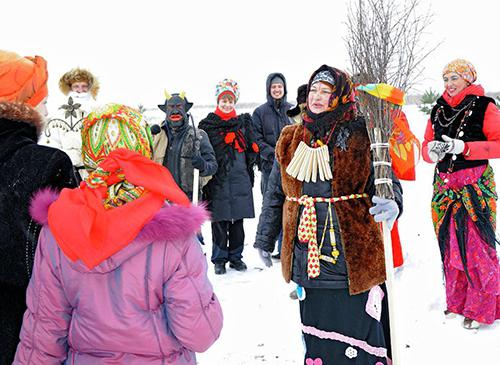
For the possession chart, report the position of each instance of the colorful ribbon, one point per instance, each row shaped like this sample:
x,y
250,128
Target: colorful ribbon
x,y
308,226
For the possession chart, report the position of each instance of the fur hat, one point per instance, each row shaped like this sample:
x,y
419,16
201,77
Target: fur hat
x,y
79,75
225,86
22,79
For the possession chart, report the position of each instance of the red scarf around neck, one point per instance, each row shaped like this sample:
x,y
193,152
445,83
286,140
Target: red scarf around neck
x,y
225,116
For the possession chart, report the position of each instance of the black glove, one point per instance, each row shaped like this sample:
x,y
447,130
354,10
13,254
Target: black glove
x,y
198,162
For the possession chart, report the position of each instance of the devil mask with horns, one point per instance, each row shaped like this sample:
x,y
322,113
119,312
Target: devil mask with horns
x,y
176,108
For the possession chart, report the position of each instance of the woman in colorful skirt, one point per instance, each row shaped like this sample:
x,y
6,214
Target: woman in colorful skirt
x,y
462,134
321,189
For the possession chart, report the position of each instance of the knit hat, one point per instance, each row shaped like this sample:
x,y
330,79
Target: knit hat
x,y
277,80
23,79
79,75
462,67
225,86
111,127
324,76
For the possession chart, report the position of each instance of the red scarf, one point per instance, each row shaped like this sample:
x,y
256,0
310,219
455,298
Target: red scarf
x,y
225,116
473,89
85,230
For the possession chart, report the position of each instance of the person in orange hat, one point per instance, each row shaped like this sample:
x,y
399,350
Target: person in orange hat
x,y
25,167
461,136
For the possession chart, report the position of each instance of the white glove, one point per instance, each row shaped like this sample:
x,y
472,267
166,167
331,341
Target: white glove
x,y
454,146
384,210
436,150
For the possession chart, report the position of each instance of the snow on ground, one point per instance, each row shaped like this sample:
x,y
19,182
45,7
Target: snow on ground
x,y
262,325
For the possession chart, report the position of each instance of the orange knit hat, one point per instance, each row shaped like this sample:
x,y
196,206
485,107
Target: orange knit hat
x,y
23,79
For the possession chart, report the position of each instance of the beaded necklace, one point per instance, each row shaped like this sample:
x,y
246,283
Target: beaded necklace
x,y
449,120
460,132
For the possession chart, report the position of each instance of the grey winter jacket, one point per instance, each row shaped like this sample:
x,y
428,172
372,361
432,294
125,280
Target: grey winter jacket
x,y
174,150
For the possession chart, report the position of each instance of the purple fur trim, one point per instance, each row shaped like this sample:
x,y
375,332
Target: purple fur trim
x,y
172,222
40,203
376,351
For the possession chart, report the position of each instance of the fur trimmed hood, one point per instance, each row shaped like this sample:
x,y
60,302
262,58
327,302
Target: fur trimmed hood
x,y
172,223
19,112
79,75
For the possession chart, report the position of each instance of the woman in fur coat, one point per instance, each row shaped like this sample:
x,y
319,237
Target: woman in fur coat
x,y
462,134
119,276
321,190
25,167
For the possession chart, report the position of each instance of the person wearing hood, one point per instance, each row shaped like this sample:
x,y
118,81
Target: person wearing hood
x,y
229,192
25,167
462,134
181,148
119,276
268,120
321,190
63,129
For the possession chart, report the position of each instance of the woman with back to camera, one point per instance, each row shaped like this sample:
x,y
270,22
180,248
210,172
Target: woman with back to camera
x,y
119,276
462,134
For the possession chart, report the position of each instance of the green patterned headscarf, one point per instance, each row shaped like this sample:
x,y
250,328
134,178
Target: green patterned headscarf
x,y
107,129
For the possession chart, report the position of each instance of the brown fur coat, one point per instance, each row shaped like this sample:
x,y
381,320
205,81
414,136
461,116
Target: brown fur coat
x,y
361,237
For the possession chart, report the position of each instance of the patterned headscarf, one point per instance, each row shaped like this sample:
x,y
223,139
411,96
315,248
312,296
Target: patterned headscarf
x,y
104,130
462,67
342,87
227,85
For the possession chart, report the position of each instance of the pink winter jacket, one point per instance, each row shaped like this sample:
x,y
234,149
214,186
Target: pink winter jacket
x,y
150,303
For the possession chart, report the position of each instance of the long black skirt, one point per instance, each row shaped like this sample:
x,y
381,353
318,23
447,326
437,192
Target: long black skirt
x,y
340,329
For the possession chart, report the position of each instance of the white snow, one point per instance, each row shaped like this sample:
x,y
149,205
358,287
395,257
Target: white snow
x,y
262,325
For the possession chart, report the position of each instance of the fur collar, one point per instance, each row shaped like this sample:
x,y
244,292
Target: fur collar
x,y
19,112
171,223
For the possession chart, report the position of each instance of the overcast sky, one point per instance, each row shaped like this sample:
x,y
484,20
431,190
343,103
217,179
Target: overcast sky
x,y
138,48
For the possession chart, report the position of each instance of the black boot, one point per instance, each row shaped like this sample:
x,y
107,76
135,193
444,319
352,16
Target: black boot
x,y
238,265
220,269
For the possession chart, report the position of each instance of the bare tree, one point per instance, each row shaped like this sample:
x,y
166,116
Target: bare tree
x,y
385,46
384,41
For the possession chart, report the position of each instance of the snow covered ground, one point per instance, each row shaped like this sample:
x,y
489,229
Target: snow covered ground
x,y
261,322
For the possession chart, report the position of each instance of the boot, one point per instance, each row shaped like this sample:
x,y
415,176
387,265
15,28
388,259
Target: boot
x,y
449,315
471,324
238,265
220,269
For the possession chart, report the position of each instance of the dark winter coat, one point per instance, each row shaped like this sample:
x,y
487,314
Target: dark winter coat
x,y
229,193
25,167
174,149
268,120
360,265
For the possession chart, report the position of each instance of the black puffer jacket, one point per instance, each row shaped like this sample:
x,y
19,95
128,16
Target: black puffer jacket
x,y
25,168
229,192
268,120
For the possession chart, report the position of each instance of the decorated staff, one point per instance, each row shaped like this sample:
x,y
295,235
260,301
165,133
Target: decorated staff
x,y
379,102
